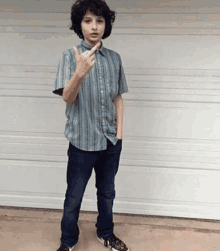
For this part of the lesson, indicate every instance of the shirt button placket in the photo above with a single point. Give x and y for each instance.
(102, 99)
(102, 102)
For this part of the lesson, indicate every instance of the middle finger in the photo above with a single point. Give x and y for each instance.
(94, 49)
(85, 53)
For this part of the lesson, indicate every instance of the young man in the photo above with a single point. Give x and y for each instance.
(91, 80)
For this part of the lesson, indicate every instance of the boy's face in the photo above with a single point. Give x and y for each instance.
(92, 24)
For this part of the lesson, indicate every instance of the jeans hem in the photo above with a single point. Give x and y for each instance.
(69, 246)
(105, 236)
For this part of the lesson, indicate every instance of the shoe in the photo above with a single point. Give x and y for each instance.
(114, 243)
(64, 248)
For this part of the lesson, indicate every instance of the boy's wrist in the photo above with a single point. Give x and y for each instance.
(118, 137)
(80, 74)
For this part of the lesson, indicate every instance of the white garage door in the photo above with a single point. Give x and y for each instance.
(170, 160)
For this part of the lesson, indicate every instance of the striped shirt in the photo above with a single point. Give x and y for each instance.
(91, 118)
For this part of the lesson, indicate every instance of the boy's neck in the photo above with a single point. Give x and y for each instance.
(92, 45)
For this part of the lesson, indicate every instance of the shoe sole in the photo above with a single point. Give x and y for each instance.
(102, 241)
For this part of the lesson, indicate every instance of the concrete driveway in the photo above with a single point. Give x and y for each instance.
(29, 229)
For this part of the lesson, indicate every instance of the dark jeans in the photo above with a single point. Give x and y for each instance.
(79, 170)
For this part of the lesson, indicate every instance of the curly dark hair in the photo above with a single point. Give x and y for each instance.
(96, 7)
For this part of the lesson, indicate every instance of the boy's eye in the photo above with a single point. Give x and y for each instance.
(100, 21)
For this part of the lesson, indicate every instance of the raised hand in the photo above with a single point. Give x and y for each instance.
(86, 60)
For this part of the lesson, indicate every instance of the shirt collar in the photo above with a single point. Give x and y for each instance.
(85, 45)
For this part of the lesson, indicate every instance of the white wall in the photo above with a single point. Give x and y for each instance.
(171, 56)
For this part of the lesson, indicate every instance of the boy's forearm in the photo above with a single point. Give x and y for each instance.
(119, 106)
(73, 87)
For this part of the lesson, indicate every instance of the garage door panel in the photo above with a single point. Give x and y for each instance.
(174, 97)
(39, 176)
(174, 123)
(170, 51)
(187, 193)
(32, 114)
(34, 48)
(188, 186)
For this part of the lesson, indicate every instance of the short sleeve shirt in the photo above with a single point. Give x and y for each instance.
(91, 118)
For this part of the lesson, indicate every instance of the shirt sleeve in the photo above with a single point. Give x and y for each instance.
(123, 87)
(63, 74)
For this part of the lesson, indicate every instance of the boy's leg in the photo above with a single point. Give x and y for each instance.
(105, 169)
(79, 169)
